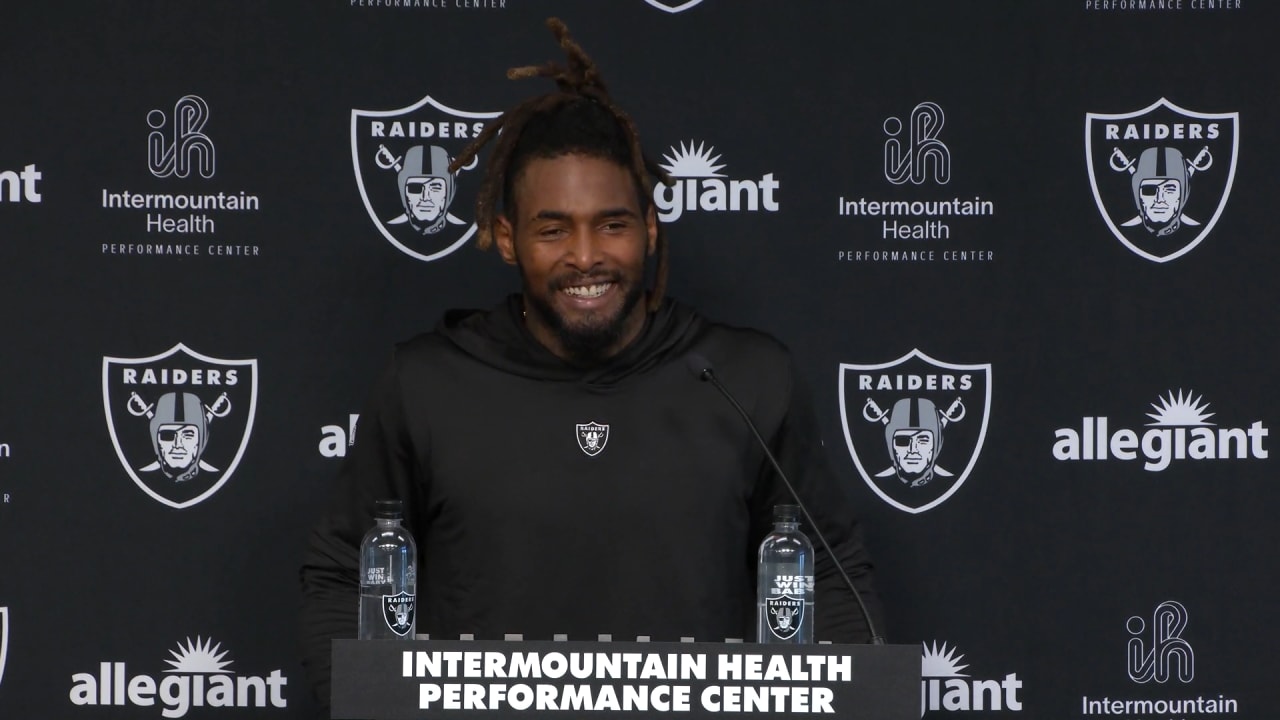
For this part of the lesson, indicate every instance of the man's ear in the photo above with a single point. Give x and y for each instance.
(504, 235)
(651, 226)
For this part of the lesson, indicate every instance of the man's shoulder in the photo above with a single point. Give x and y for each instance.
(742, 348)
(422, 346)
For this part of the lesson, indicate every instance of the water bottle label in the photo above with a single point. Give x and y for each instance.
(785, 615)
(398, 612)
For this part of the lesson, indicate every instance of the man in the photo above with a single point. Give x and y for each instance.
(481, 427)
(178, 435)
(426, 188)
(1160, 186)
(914, 438)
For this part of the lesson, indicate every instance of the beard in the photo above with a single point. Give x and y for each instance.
(591, 339)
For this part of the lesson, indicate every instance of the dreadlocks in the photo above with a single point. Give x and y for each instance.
(579, 118)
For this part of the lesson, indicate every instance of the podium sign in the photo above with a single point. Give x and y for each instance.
(494, 680)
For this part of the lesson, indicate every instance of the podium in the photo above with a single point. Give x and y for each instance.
(498, 680)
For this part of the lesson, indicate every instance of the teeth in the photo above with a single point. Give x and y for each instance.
(588, 291)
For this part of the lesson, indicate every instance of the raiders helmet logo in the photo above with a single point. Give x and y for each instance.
(592, 437)
(1161, 175)
(915, 426)
(180, 421)
(401, 160)
(397, 610)
(785, 615)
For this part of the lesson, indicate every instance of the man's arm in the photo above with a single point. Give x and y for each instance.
(797, 443)
(381, 465)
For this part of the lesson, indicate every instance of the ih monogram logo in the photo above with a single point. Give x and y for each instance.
(920, 154)
(188, 148)
(1168, 653)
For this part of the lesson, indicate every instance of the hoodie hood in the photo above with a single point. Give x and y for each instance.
(498, 337)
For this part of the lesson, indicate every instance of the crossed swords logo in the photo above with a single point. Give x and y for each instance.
(387, 160)
(953, 414)
(1122, 163)
(141, 408)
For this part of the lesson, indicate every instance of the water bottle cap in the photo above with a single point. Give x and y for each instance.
(388, 509)
(786, 513)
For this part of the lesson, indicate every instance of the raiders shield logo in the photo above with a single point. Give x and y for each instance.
(401, 159)
(915, 426)
(4, 639)
(1161, 175)
(673, 6)
(398, 612)
(592, 437)
(785, 615)
(180, 421)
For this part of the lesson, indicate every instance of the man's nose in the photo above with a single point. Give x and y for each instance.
(584, 249)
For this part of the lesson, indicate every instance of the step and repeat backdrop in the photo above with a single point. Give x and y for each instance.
(1039, 234)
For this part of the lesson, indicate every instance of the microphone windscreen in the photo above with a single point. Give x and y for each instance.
(699, 365)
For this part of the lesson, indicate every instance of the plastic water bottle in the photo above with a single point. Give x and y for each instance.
(784, 589)
(388, 577)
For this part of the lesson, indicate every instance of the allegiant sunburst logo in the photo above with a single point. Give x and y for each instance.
(199, 675)
(943, 685)
(1181, 429)
(700, 186)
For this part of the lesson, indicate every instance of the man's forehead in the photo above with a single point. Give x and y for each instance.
(574, 182)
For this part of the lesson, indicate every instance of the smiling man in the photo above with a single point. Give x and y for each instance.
(563, 470)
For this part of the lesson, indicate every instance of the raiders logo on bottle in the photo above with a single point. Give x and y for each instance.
(397, 610)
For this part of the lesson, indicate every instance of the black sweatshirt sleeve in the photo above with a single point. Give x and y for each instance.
(797, 444)
(380, 465)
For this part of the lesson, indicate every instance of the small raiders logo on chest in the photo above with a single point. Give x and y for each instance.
(592, 437)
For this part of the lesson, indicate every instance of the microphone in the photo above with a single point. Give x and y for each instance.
(702, 369)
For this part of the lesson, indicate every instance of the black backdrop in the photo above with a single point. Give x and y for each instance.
(1067, 580)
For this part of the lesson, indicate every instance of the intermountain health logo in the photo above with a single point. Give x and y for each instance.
(1180, 429)
(945, 688)
(18, 186)
(915, 220)
(915, 426)
(701, 187)
(181, 201)
(180, 421)
(1161, 175)
(1159, 658)
(401, 161)
(673, 6)
(199, 675)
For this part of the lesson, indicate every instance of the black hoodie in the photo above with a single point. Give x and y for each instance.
(521, 530)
